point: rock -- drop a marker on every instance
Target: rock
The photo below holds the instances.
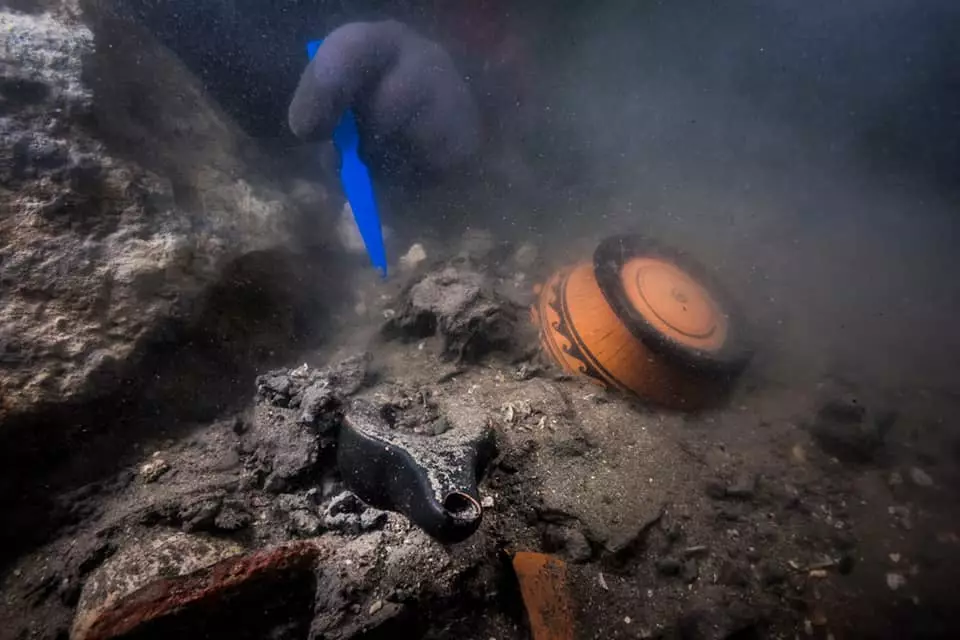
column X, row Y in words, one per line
column 460, row 306
column 303, row 524
column 115, row 233
column 232, row 517
column 295, row 410
column 302, row 520
column 569, row 542
column 844, row 428
column 413, row 257
column 487, row 502
column 152, row 470
column 243, row 596
column 895, row 581
column 920, row 477
column 134, row 566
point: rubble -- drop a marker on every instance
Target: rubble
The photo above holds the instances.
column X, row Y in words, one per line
column 461, row 307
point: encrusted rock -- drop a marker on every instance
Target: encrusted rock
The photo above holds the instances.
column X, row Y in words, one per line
column 459, row 305
column 295, row 410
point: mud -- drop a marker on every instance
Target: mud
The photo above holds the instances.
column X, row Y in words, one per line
column 788, row 512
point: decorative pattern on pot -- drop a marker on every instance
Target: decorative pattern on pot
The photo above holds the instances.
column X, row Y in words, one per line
column 643, row 319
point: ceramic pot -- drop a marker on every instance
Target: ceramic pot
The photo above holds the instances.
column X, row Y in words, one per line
column 643, row 319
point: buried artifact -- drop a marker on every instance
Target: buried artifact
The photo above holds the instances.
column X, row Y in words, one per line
column 643, row 319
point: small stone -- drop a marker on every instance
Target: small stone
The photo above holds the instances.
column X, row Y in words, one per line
column 376, row 606
column 894, row 558
column 487, row 502
column 602, row 581
column 895, row 479
column 627, row 620
column 151, row 471
column 413, row 257
column 798, row 453
column 920, row 477
column 304, row 524
column 895, row 581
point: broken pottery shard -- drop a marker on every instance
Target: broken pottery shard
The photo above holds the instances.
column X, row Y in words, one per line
column 546, row 596
column 134, row 566
column 431, row 479
column 458, row 305
column 244, row 596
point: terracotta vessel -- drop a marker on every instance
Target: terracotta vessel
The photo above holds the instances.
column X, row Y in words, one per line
column 643, row 319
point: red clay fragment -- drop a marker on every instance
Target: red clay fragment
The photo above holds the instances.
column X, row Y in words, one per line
column 543, row 584
column 226, row 593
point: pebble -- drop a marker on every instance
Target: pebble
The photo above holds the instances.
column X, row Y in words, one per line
column 894, row 558
column 920, row 477
column 487, row 502
column 895, row 581
column 895, row 479
column 413, row 257
column 151, row 471
column 376, row 606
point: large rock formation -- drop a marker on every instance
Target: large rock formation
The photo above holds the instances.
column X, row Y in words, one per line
column 135, row 217
column 125, row 198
